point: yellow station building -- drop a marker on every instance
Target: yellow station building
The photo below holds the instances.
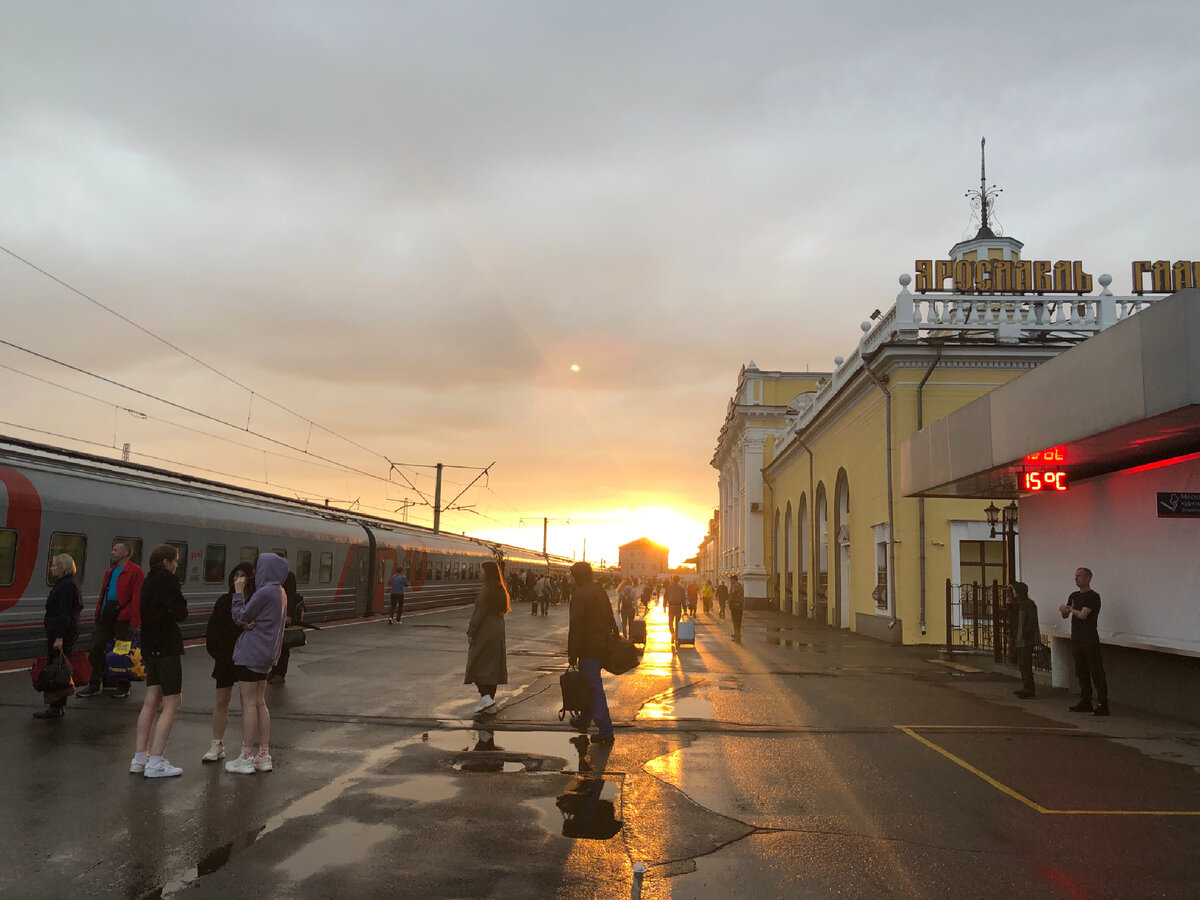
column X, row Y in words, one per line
column 809, row 463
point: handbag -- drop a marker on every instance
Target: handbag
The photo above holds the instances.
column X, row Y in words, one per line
column 54, row 675
column 622, row 655
column 576, row 693
column 293, row 637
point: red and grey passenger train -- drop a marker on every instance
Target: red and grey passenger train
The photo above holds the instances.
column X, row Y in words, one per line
column 58, row 501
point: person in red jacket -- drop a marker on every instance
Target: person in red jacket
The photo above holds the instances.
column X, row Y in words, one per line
column 118, row 613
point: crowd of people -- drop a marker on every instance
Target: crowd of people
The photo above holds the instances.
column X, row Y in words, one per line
column 245, row 638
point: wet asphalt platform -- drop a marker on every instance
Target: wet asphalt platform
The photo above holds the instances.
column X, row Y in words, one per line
column 803, row 762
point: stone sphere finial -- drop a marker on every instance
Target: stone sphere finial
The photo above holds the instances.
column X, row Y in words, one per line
column 906, row 279
column 1105, row 280
column 837, row 360
column 865, row 326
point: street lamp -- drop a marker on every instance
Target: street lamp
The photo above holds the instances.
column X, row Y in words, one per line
column 1006, row 519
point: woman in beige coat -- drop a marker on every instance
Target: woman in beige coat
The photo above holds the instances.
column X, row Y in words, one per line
column 487, row 659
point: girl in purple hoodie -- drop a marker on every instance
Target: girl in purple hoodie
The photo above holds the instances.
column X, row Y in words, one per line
column 255, row 652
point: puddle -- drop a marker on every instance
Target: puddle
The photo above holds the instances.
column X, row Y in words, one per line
column 479, row 750
column 492, row 765
column 422, row 789
column 670, row 707
column 343, row 844
column 587, row 810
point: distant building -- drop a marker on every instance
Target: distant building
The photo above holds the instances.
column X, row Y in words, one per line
column 643, row 558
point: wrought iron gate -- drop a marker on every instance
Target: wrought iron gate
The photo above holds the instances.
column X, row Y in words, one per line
column 978, row 618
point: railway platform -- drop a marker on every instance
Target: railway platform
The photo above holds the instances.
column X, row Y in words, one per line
column 801, row 762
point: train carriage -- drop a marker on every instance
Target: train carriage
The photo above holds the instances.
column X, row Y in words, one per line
column 55, row 501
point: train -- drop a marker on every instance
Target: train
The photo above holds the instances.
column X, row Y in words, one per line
column 54, row 500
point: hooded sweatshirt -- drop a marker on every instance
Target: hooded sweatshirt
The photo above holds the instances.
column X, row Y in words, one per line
column 258, row 649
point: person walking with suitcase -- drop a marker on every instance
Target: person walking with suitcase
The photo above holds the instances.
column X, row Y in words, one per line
column 588, row 635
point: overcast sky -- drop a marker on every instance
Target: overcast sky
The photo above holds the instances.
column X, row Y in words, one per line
column 408, row 221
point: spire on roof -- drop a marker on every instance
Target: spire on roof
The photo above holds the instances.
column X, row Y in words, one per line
column 984, row 199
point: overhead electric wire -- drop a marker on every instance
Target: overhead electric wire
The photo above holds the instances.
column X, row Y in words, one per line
column 190, row 356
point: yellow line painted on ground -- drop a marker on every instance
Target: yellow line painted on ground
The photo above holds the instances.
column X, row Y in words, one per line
column 1016, row 795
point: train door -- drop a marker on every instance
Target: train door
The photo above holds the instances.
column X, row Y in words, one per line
column 362, row 581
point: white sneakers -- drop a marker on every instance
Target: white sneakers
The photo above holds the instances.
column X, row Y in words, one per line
column 486, row 704
column 215, row 752
column 247, row 763
column 137, row 766
column 161, row 769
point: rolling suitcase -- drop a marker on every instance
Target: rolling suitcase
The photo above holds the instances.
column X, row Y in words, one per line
column 637, row 631
column 576, row 693
column 685, row 632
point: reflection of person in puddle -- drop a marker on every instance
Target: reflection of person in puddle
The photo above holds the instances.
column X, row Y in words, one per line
column 485, row 744
column 585, row 813
column 487, row 659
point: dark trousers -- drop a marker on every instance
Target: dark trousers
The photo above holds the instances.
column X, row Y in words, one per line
column 736, row 613
column 627, row 617
column 280, row 668
column 397, row 606
column 107, row 631
column 674, row 614
column 1089, row 668
column 486, row 690
column 1025, row 664
column 597, row 710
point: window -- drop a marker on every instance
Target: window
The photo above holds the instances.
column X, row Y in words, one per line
column 304, row 566
column 981, row 561
column 382, row 566
column 8, row 556
column 437, row 571
column 326, row 573
column 74, row 545
column 454, row 570
column 428, row 569
column 248, row 554
column 182, row 547
column 279, row 552
column 135, row 548
column 214, row 563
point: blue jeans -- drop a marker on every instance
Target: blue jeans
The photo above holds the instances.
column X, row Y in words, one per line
column 598, row 711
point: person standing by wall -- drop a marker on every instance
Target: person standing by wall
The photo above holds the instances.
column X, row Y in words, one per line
column 737, row 603
column 63, row 607
column 1083, row 609
column 487, row 656
column 1027, row 636
column 163, row 608
column 256, row 651
column 398, row 586
column 118, row 613
column 588, row 634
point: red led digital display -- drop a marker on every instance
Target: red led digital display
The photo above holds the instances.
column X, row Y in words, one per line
column 1045, row 481
column 1049, row 457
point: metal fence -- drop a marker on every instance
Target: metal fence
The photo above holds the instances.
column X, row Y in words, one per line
column 979, row 618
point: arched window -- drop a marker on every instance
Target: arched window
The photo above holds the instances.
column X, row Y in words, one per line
column 786, row 603
column 803, row 552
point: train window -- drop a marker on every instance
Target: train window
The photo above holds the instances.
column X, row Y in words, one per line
column 437, row 571
column 135, row 548
column 8, row 556
column 248, row 554
column 304, row 566
column 428, row 570
column 326, row 573
column 181, row 572
column 454, row 570
column 74, row 545
column 214, row 563
column 282, row 553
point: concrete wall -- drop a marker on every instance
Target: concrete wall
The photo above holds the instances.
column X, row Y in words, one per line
column 1146, row 569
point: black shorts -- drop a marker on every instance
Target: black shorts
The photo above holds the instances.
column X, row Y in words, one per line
column 165, row 672
column 224, row 672
column 244, row 674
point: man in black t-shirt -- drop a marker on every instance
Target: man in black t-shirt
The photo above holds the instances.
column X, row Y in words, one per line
column 1083, row 608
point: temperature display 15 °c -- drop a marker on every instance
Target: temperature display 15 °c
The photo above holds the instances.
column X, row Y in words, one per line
column 1045, row 481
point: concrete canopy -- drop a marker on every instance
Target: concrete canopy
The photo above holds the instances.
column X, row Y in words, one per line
column 1129, row 396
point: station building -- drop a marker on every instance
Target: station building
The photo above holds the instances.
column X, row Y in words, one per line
column 812, row 516
column 1113, row 426
column 642, row 558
